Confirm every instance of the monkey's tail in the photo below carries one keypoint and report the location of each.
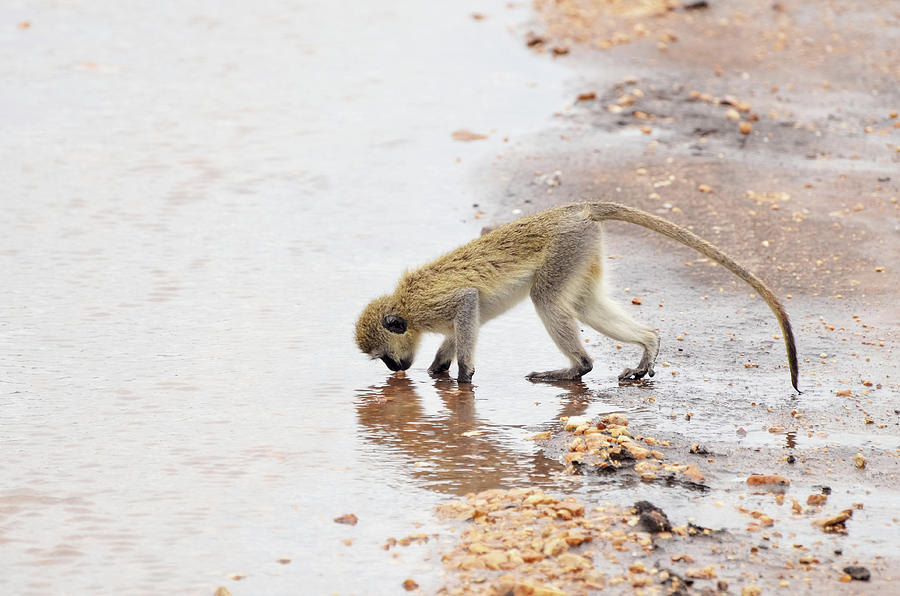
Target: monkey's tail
(599, 211)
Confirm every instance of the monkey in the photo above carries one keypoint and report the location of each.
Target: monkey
(553, 256)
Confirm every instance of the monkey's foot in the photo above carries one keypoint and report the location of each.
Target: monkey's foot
(563, 374)
(637, 373)
(439, 368)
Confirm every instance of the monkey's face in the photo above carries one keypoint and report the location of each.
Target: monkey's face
(385, 336)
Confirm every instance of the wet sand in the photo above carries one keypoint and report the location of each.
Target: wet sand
(200, 198)
(808, 200)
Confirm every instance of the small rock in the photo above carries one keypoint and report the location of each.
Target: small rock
(815, 499)
(836, 523)
(575, 421)
(466, 135)
(348, 519)
(532, 39)
(409, 585)
(858, 573)
(652, 517)
(615, 420)
(698, 449)
(760, 479)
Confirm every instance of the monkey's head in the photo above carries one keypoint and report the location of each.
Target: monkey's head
(383, 334)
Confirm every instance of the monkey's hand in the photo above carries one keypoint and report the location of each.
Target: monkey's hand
(637, 373)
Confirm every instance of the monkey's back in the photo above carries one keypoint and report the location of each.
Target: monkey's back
(500, 264)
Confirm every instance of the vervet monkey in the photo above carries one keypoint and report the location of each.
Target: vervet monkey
(553, 256)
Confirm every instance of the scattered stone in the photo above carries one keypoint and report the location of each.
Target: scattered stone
(532, 39)
(698, 449)
(652, 517)
(693, 529)
(858, 573)
(708, 572)
(409, 585)
(466, 135)
(575, 421)
(615, 420)
(763, 479)
(816, 499)
(836, 524)
(348, 519)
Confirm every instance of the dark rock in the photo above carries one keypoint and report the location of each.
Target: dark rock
(652, 517)
(859, 573)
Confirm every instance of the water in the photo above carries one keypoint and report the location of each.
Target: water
(198, 199)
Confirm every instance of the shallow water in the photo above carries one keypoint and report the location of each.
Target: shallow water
(198, 199)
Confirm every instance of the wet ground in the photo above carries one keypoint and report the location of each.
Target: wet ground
(200, 197)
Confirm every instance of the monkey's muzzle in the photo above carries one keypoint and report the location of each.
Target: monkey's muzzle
(394, 365)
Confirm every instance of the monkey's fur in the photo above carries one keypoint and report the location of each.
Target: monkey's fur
(555, 257)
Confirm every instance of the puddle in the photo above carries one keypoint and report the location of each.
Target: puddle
(182, 397)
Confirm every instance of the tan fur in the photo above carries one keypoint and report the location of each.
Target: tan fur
(553, 256)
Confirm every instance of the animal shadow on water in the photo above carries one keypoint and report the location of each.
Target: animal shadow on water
(452, 450)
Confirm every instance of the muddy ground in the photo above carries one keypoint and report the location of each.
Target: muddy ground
(772, 130)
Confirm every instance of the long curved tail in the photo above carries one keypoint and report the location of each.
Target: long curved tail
(600, 211)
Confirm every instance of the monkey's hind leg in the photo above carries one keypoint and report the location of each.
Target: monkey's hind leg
(444, 356)
(550, 301)
(610, 319)
(563, 329)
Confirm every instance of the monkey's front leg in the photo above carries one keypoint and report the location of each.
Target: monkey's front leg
(465, 332)
(444, 356)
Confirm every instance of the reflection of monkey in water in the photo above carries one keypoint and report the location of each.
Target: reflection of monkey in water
(553, 256)
(391, 416)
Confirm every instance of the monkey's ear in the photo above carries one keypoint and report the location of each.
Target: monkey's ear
(394, 324)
